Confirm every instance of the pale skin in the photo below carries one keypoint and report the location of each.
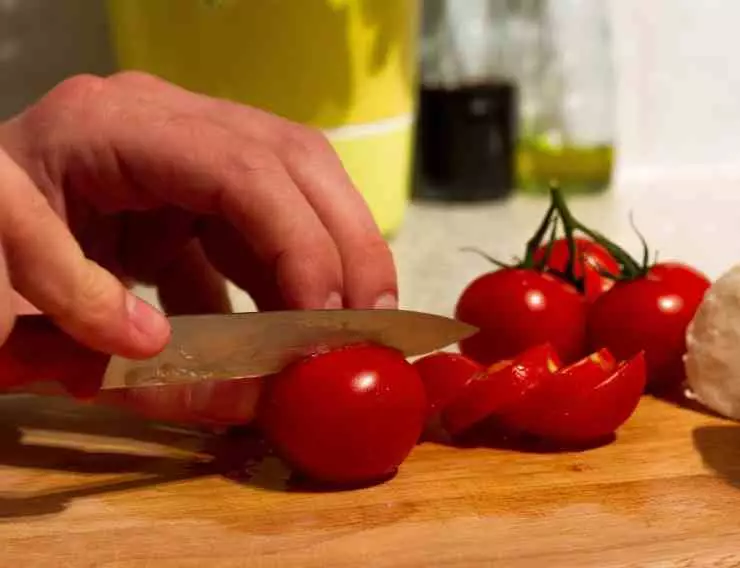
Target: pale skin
(105, 182)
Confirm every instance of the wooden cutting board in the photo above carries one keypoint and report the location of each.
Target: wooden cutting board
(83, 486)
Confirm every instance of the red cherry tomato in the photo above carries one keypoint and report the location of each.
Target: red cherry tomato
(592, 260)
(504, 384)
(346, 416)
(444, 375)
(516, 309)
(681, 275)
(649, 314)
(523, 413)
(582, 403)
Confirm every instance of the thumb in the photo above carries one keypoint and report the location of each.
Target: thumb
(47, 266)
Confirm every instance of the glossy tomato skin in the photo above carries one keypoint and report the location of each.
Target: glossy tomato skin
(525, 413)
(444, 376)
(502, 386)
(649, 314)
(592, 261)
(583, 403)
(683, 276)
(347, 416)
(516, 309)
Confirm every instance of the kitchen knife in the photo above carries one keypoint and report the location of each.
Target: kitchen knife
(219, 347)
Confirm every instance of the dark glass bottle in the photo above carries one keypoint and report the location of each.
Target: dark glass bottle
(467, 120)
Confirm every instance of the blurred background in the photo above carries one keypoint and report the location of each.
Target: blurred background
(445, 112)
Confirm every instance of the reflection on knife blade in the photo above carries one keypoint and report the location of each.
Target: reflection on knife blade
(219, 347)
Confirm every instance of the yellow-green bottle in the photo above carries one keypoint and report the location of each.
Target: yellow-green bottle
(347, 67)
(565, 77)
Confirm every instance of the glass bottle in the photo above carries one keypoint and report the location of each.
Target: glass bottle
(565, 77)
(466, 126)
(347, 67)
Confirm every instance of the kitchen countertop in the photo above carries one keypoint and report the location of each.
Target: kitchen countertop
(89, 486)
(695, 222)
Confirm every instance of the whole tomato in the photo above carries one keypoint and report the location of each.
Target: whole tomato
(682, 275)
(649, 314)
(592, 261)
(346, 416)
(516, 309)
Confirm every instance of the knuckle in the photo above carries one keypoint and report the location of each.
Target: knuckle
(376, 256)
(135, 78)
(66, 103)
(75, 90)
(311, 253)
(303, 142)
(377, 247)
(251, 159)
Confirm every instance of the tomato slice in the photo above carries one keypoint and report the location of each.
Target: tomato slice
(584, 402)
(444, 375)
(500, 386)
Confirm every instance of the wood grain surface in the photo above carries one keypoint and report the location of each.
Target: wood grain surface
(85, 486)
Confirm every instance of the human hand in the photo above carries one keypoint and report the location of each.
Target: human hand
(158, 185)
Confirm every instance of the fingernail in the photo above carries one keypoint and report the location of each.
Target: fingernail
(333, 302)
(387, 301)
(146, 319)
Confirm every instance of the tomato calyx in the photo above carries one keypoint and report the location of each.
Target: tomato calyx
(630, 268)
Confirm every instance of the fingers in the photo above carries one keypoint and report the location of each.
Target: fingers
(46, 266)
(368, 268)
(21, 306)
(189, 284)
(7, 301)
(230, 255)
(176, 158)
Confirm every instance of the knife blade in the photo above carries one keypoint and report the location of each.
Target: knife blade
(216, 347)
(220, 347)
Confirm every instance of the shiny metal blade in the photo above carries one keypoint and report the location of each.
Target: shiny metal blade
(217, 347)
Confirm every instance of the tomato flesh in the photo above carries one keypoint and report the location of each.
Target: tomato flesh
(515, 309)
(584, 374)
(504, 384)
(583, 402)
(347, 416)
(444, 375)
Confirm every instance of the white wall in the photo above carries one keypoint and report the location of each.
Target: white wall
(679, 90)
(677, 63)
(43, 41)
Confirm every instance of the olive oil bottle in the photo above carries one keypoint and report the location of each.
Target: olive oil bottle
(565, 79)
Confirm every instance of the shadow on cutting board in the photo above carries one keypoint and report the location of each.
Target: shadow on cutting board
(57, 441)
(719, 447)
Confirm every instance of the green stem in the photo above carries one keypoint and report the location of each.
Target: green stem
(488, 257)
(630, 267)
(534, 243)
(550, 243)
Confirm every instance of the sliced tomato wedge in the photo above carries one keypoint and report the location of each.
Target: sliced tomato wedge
(582, 403)
(444, 376)
(502, 385)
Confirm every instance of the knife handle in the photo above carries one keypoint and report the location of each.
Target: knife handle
(37, 350)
